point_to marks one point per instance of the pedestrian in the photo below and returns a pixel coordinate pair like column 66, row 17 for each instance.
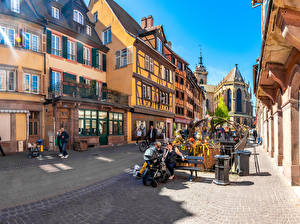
column 58, row 143
column 64, row 141
column 171, row 158
column 2, row 152
column 152, row 134
column 138, row 135
column 254, row 135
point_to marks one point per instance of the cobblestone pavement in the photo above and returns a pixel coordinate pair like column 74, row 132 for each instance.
column 264, row 198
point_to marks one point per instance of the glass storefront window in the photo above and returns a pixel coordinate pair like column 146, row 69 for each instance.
column 116, row 123
column 87, row 114
column 94, row 114
column 102, row 115
column 81, row 113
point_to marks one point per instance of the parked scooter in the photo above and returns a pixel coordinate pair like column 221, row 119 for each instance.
column 36, row 149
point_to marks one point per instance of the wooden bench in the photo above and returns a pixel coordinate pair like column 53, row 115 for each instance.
column 192, row 162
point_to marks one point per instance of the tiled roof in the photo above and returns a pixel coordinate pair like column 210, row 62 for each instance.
column 234, row 76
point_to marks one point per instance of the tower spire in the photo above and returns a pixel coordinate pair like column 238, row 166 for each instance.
column 200, row 58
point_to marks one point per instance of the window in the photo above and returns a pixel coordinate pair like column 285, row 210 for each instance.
column 164, row 98
column 55, row 12
column 86, row 56
column 56, row 49
column 7, row 80
column 176, row 78
column 146, row 92
column 78, row 17
column 179, row 65
column 7, row 36
column 239, row 101
column 229, row 99
column 71, row 50
column 15, row 6
column 55, row 82
column 31, row 83
column 147, row 65
column 88, row 30
column 123, row 57
column 158, row 45
column 167, row 75
column 116, row 122
column 107, row 36
column 33, row 123
column 87, row 120
column 181, row 81
column 151, row 65
column 95, row 17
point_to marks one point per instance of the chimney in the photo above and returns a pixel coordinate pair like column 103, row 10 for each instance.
column 170, row 44
column 149, row 21
column 144, row 22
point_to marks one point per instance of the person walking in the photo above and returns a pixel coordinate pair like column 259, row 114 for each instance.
column 64, row 141
column 254, row 135
column 138, row 135
column 2, row 152
column 58, row 143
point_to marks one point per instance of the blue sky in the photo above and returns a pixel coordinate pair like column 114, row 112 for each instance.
column 228, row 31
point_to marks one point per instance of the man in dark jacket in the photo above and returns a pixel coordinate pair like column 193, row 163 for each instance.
column 3, row 154
column 152, row 134
column 64, row 141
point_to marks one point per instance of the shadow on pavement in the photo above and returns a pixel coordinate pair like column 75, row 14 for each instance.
column 121, row 199
column 241, row 183
column 263, row 174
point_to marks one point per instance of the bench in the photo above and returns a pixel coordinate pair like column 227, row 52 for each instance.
column 192, row 162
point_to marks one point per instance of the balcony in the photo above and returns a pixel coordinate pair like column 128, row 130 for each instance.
column 79, row 91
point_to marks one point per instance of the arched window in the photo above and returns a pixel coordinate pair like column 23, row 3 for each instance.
column 239, row 101
column 229, row 99
column 78, row 17
column 201, row 81
column 207, row 104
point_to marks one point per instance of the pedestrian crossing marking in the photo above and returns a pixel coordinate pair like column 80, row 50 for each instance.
column 63, row 166
column 40, row 158
column 105, row 159
column 49, row 168
column 49, row 157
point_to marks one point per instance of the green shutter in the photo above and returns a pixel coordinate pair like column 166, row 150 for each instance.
column 94, row 57
column 104, row 62
column 79, row 53
column 49, row 36
column 104, row 91
column 64, row 46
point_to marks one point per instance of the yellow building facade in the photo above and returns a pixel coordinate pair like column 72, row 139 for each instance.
column 137, row 67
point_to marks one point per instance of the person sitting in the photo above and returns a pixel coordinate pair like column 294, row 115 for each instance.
column 171, row 158
column 150, row 152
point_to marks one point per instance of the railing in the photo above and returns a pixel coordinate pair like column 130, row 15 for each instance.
column 56, row 52
column 71, row 57
column 82, row 91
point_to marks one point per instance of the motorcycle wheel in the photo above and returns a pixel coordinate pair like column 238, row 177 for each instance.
column 147, row 179
column 165, row 177
column 154, row 183
column 143, row 146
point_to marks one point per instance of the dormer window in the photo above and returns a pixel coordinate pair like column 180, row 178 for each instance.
column 15, row 6
column 88, row 30
column 159, row 45
column 55, row 12
column 78, row 17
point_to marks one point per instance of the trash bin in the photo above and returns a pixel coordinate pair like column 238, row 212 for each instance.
column 222, row 170
column 243, row 162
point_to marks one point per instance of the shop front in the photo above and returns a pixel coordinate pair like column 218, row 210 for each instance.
column 181, row 123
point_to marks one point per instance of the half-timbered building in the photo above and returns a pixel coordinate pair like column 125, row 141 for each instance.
column 137, row 66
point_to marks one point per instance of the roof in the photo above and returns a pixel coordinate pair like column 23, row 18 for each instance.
column 65, row 24
column 234, row 76
column 209, row 88
column 125, row 19
column 173, row 52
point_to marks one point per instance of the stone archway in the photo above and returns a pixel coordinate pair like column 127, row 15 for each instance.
column 290, row 116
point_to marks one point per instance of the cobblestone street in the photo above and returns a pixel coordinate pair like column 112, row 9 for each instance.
column 123, row 199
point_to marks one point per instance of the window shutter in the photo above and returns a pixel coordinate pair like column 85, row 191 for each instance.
column 163, row 74
column 171, row 76
column 65, row 47
column 79, row 53
column 104, row 62
column 94, row 53
column 129, row 55
column 104, row 90
column 51, row 87
column 118, row 59
column 49, row 36
column 38, row 84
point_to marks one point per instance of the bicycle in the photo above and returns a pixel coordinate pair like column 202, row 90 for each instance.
column 144, row 145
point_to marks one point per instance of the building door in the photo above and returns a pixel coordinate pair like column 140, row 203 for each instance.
column 103, row 127
column 34, row 126
column 169, row 130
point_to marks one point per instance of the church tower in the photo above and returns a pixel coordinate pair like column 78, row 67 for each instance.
column 201, row 72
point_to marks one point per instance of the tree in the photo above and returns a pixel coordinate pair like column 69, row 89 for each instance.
column 222, row 112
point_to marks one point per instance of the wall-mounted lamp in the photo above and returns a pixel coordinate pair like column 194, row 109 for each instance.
column 256, row 3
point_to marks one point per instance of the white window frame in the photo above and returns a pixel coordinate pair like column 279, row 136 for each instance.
column 159, row 45
column 88, row 30
column 57, row 82
column 7, row 37
column 15, row 6
column 95, row 17
column 27, row 84
column 86, row 55
column 71, row 55
column 31, row 45
column 124, row 57
column 107, row 36
column 57, row 41
column 30, row 84
column 147, row 63
column 35, row 48
column 151, row 65
column 5, row 74
column 55, row 12
column 78, row 17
